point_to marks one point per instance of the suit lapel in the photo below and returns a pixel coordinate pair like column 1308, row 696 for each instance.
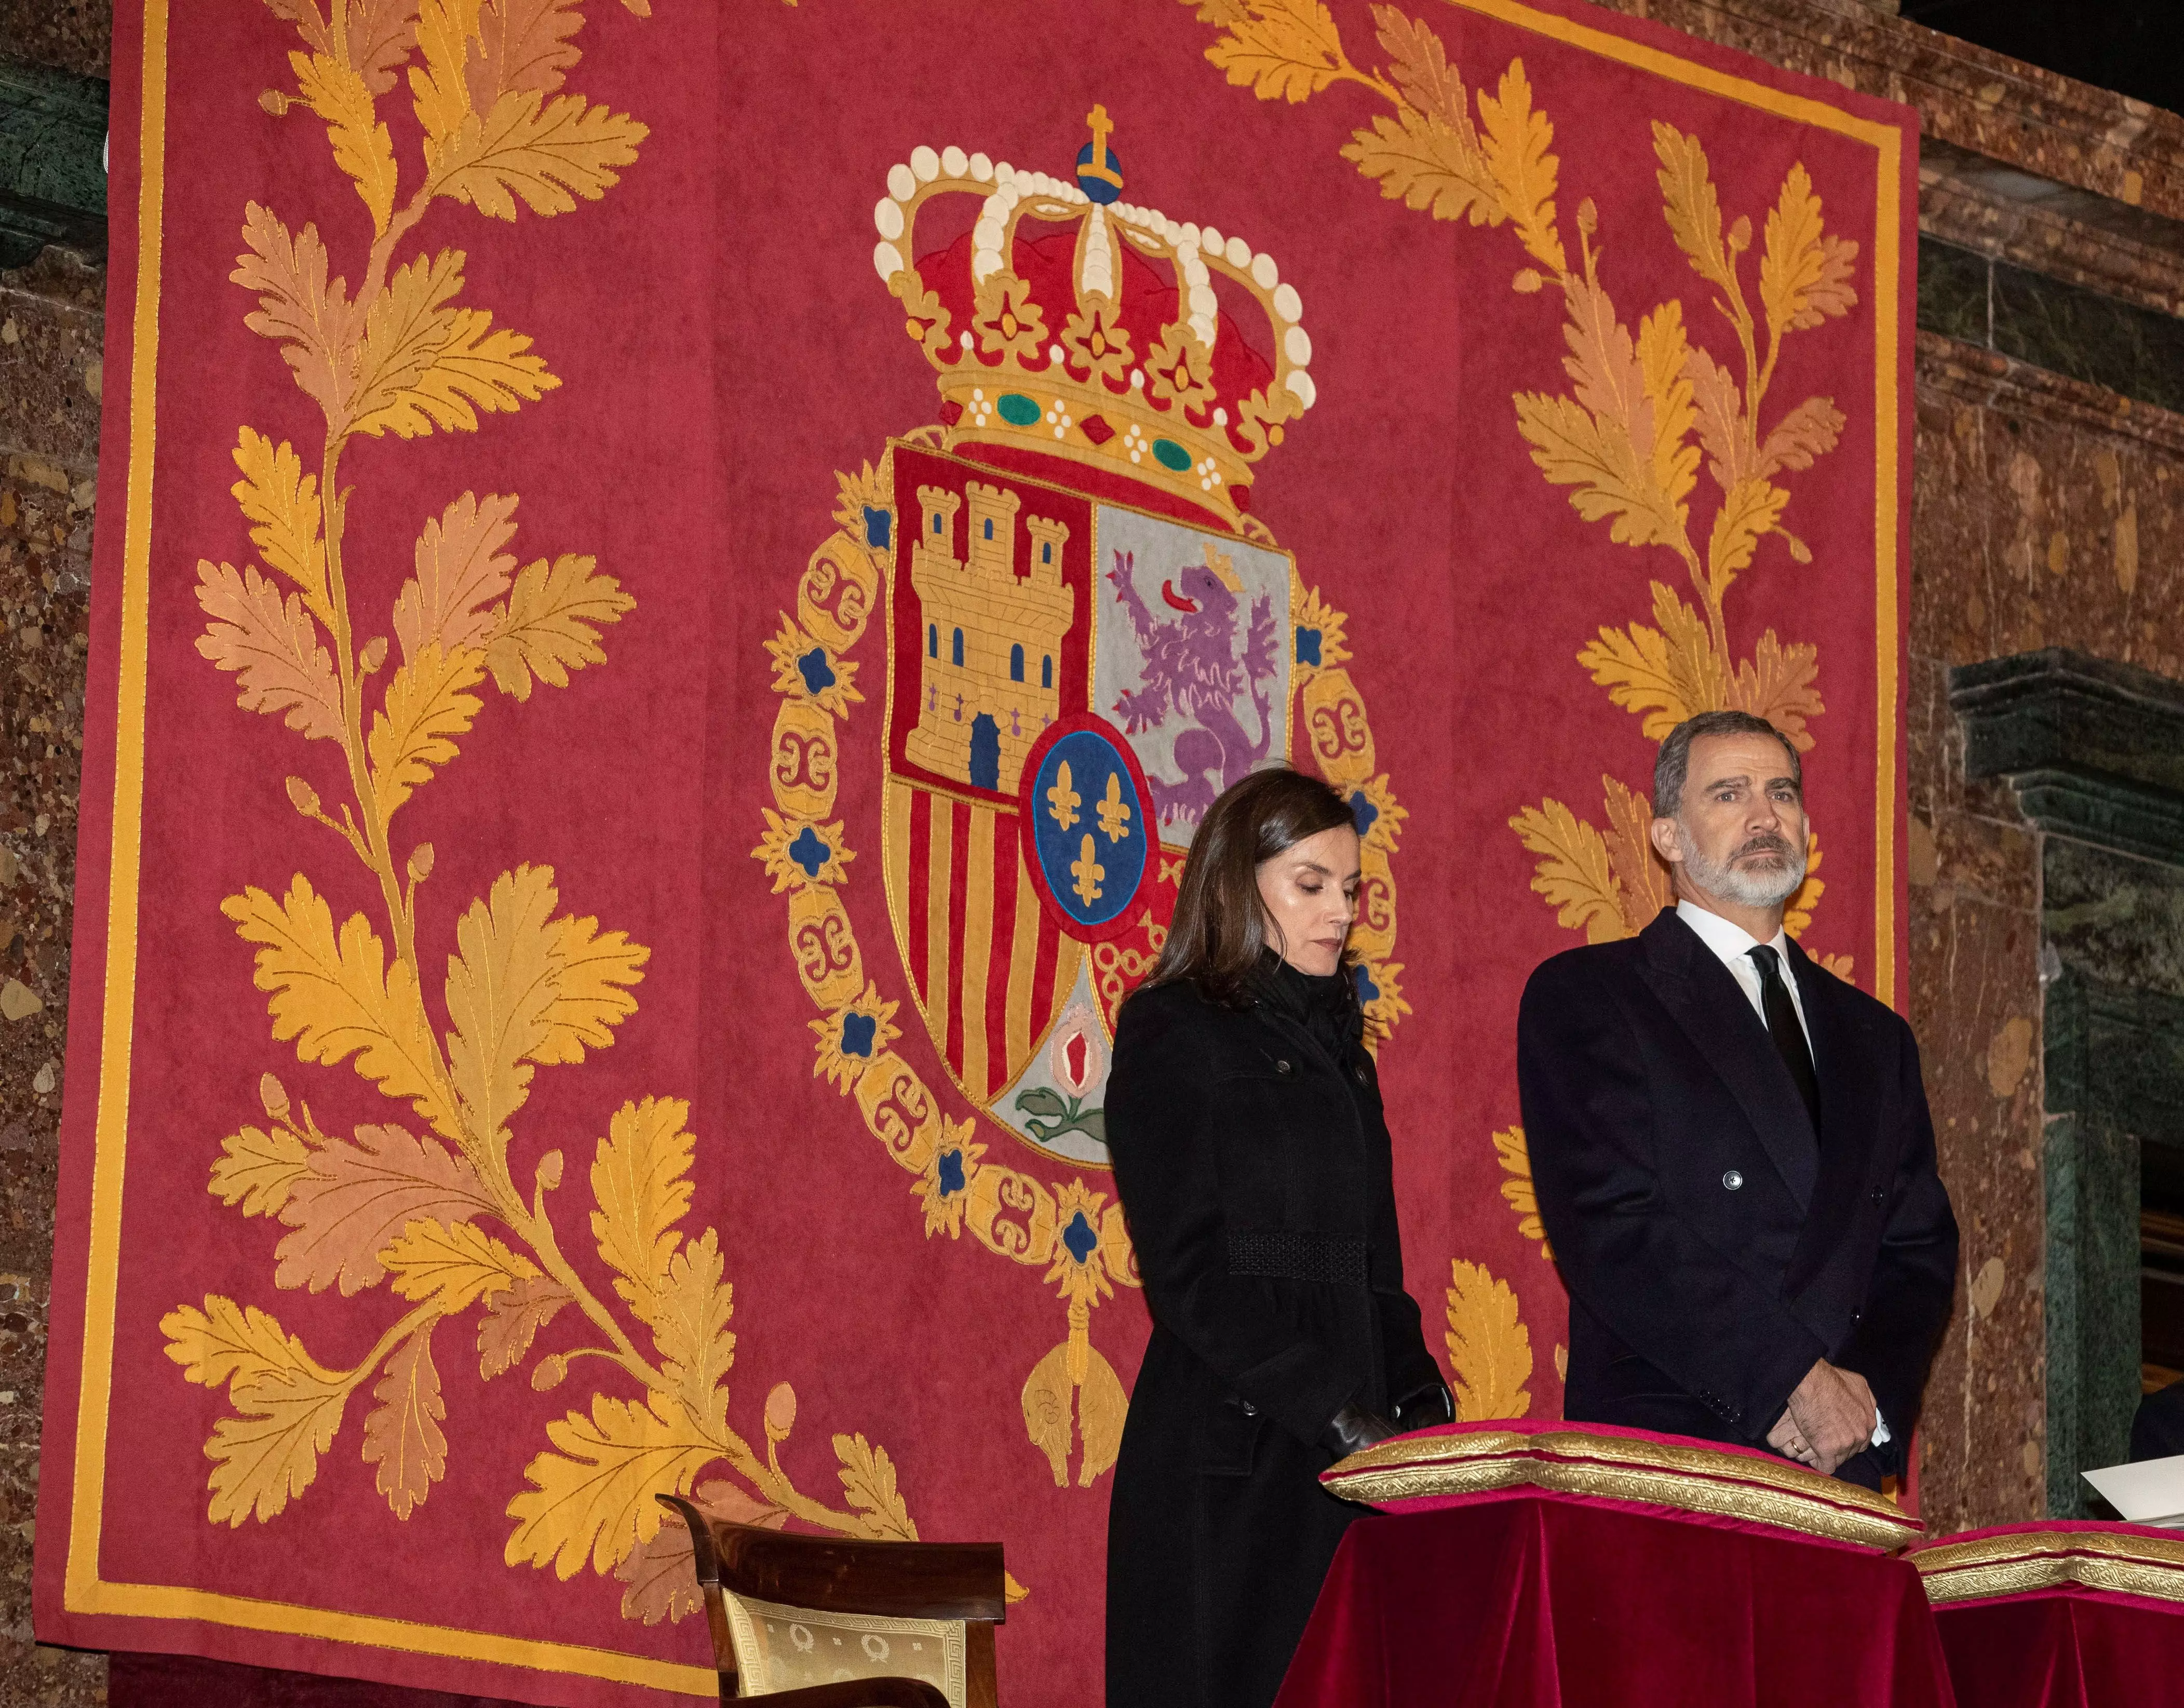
column 1843, row 1060
column 1714, row 1013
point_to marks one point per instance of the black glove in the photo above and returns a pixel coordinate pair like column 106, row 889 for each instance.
column 1424, row 1407
column 1353, row 1429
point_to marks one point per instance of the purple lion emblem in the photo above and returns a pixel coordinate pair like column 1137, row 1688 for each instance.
column 1193, row 671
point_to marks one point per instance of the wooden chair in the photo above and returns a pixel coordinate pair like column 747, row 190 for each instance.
column 817, row 1622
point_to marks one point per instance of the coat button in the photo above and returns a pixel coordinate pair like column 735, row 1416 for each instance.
column 1283, row 1067
column 1363, row 1078
column 1881, row 1195
column 1732, row 1180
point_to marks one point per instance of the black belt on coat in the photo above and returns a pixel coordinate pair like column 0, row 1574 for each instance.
column 1290, row 1254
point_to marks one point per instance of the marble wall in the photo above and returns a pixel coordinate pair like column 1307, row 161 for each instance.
column 51, row 329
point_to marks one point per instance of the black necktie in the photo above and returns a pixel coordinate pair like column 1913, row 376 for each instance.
column 1783, row 1027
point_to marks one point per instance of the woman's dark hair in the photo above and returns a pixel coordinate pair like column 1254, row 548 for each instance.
column 1219, row 931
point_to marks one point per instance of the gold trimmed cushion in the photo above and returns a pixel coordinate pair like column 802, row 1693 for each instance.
column 781, row 1648
column 1463, row 1463
column 2014, row 1559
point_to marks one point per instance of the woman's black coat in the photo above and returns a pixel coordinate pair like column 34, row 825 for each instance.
column 1254, row 1166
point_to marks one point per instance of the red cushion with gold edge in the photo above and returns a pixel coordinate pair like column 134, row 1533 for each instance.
column 1738, row 1487
column 2132, row 1559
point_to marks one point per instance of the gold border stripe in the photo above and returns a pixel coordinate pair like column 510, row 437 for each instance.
column 1801, row 108
column 1023, row 957
column 1887, row 640
column 940, row 845
column 287, row 1619
column 977, row 948
column 110, row 1128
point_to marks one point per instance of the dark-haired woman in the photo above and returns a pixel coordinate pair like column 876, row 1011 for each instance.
column 1244, row 1117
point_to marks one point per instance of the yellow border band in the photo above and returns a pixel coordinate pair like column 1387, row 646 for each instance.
column 1887, row 141
column 94, row 1380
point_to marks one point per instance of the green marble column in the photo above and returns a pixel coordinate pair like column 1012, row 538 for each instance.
column 53, row 170
column 2094, row 751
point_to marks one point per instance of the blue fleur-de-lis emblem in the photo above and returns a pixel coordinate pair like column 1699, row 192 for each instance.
column 1085, row 825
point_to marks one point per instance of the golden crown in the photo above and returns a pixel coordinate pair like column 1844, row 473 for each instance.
column 1098, row 335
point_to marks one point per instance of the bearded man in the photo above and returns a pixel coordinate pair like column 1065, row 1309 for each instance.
column 1731, row 1146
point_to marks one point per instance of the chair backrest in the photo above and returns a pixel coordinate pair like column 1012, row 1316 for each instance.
column 797, row 1615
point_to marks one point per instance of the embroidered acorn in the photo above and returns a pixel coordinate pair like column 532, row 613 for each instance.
column 780, row 1412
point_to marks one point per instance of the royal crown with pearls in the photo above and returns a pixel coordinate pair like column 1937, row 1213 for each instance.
column 1096, row 335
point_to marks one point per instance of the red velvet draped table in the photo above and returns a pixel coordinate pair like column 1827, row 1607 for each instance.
column 1535, row 1601
column 2060, row 1615
column 1518, row 1566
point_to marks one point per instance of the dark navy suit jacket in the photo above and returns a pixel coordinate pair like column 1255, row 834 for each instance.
column 1712, row 1250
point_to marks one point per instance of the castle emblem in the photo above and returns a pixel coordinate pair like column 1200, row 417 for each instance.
column 1088, row 635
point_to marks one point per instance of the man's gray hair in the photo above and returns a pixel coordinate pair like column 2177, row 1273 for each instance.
column 1673, row 767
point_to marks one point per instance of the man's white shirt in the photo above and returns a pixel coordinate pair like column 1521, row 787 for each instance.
column 1732, row 945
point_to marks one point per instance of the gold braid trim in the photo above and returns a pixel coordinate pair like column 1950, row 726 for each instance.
column 2024, row 1560
column 1688, row 1479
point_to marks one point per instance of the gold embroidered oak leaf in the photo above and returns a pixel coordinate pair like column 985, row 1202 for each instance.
column 1844, row 967
column 1692, row 207
column 357, row 1195
column 1285, row 48
column 1574, row 873
column 1723, row 432
column 1662, row 355
column 545, row 153
column 339, row 998
column 1592, row 440
column 1418, row 63
column 380, row 36
column 453, row 1263
column 512, row 1318
column 439, row 91
column 1667, row 674
column 1749, row 511
column 1490, row 1351
column 1515, row 143
column 640, row 1179
column 268, row 1454
column 524, row 987
column 1804, row 271
column 661, row 1584
column 336, row 92
column 1427, row 164
column 402, row 1432
column 522, row 44
column 226, row 1341
column 313, row 320
column 290, row 1404
column 1808, row 432
column 551, row 625
column 1642, row 880
column 1777, row 684
column 257, row 1167
column 1221, row 13
column 592, row 1498
column 868, row 1486
column 1797, row 915
column 1515, row 1156
column 426, row 708
column 691, row 1329
column 281, row 503
column 426, row 365
column 460, row 569
column 271, row 644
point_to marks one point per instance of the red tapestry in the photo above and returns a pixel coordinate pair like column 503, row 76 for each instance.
column 676, row 587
